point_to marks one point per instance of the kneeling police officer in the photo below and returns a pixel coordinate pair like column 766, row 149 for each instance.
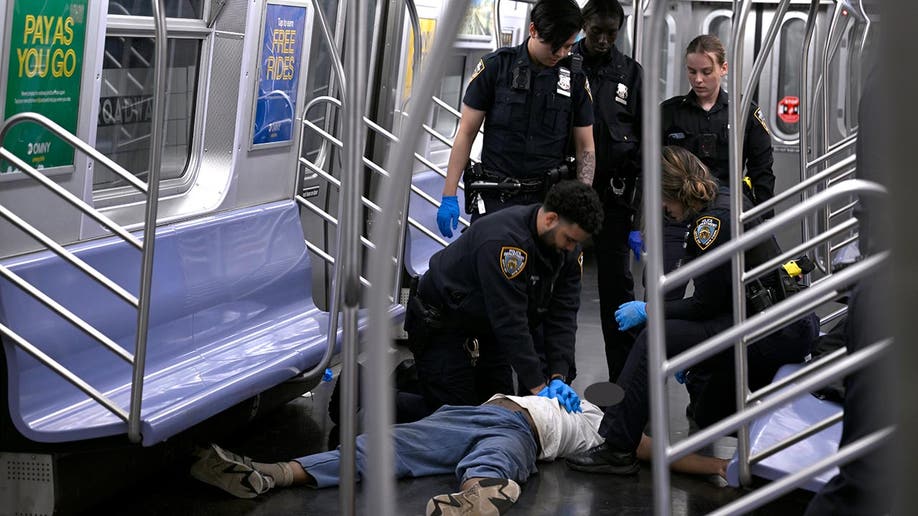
column 508, row 283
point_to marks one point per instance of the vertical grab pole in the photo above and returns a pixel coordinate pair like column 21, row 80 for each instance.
column 805, row 101
column 393, row 197
column 737, row 262
column 659, row 418
column 149, row 226
column 349, row 232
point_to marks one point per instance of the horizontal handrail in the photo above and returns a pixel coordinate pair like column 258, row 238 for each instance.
column 850, row 240
column 792, row 305
column 65, row 135
column 797, row 250
column 63, row 372
column 68, row 256
column 777, row 488
column 818, row 379
column 833, row 316
column 796, row 438
column 329, row 259
column 75, row 320
column 843, row 144
column 797, row 188
column 766, row 230
column 841, row 211
column 329, row 218
column 73, row 200
column 803, row 372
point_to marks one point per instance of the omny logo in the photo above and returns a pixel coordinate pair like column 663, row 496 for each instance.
column 38, row 148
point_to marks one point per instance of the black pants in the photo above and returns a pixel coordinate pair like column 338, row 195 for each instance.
column 445, row 369
column 616, row 285
column 623, row 424
column 864, row 486
column 674, row 235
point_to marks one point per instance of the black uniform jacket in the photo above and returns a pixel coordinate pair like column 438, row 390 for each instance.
column 615, row 81
column 500, row 274
column 712, row 297
column 528, row 110
column 706, row 135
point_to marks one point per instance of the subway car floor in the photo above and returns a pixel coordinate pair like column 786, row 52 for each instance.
column 303, row 426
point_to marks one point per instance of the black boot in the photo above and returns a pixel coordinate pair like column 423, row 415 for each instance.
column 605, row 459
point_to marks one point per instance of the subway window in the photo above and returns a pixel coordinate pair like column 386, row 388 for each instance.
column 451, row 93
column 720, row 24
column 125, row 118
column 788, row 81
column 172, row 8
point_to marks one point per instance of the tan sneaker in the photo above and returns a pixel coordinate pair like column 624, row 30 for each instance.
column 232, row 473
column 489, row 497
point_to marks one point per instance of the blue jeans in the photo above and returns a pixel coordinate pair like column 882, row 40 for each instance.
column 484, row 441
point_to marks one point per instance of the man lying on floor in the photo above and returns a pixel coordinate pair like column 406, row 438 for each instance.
column 491, row 448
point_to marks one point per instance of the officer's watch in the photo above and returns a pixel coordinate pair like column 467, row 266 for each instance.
column 557, row 376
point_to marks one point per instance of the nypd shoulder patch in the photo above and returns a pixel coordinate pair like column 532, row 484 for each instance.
column 512, row 261
column 478, row 69
column 706, row 231
column 761, row 118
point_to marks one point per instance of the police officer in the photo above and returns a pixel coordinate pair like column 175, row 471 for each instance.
column 616, row 83
column 475, row 309
column 699, row 121
column 532, row 99
column 690, row 193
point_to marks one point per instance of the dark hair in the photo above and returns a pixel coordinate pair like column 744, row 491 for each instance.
column 685, row 179
column 576, row 203
column 599, row 8
column 556, row 21
column 705, row 44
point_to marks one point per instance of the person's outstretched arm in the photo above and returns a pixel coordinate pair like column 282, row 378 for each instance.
column 692, row 464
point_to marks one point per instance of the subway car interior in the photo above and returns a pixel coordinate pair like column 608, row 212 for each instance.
column 191, row 251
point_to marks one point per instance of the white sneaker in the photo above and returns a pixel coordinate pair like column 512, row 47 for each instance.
column 490, row 497
column 231, row 473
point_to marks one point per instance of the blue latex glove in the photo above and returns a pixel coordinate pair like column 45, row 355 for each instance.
column 680, row 376
column 636, row 243
column 631, row 314
column 562, row 392
column 448, row 215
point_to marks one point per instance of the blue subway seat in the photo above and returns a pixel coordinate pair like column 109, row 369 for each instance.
column 778, row 425
column 231, row 316
column 418, row 246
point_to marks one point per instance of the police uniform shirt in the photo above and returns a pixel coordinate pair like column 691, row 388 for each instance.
column 528, row 110
column 499, row 273
column 712, row 296
column 706, row 135
column 615, row 81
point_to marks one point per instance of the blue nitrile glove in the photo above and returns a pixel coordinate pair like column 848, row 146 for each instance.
column 327, row 376
column 636, row 243
column 680, row 376
column 631, row 314
column 562, row 392
column 448, row 215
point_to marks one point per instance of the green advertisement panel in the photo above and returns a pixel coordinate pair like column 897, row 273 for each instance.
column 45, row 68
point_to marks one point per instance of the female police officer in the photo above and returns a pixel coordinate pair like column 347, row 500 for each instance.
column 530, row 98
column 690, row 193
column 616, row 83
column 699, row 121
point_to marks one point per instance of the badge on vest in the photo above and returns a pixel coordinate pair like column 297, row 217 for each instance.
column 706, row 231
column 564, row 82
column 621, row 94
column 512, row 261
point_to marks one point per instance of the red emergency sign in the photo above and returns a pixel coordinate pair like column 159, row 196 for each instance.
column 788, row 110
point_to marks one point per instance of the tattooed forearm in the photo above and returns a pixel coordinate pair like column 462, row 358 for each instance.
column 586, row 166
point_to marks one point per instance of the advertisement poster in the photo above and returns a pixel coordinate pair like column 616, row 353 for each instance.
column 428, row 28
column 45, row 67
column 278, row 74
